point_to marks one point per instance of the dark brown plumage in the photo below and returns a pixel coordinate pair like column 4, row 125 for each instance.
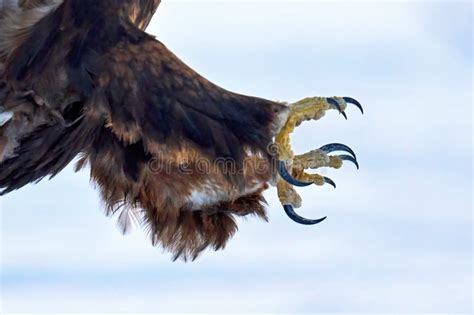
column 82, row 78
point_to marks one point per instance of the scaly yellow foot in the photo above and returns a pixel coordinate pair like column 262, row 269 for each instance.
column 292, row 168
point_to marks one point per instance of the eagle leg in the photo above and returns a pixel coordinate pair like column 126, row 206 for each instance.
column 292, row 168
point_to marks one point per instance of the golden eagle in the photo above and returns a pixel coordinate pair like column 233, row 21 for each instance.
column 81, row 78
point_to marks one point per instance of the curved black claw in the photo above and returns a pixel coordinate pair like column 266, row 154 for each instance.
column 328, row 148
column 299, row 219
column 283, row 171
column 350, row 100
column 330, row 182
column 350, row 159
column 337, row 105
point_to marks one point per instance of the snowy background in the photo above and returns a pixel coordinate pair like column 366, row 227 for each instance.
column 399, row 233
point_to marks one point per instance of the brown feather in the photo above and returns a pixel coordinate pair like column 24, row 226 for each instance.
column 84, row 79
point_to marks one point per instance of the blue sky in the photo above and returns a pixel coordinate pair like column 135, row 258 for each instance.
column 399, row 233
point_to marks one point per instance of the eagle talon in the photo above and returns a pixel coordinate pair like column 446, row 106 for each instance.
column 332, row 147
column 350, row 100
column 329, row 181
column 292, row 168
column 337, row 105
column 299, row 219
column 283, row 171
column 350, row 159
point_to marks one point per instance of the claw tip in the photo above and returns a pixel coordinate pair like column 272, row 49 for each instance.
column 299, row 219
column 330, row 182
column 350, row 100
